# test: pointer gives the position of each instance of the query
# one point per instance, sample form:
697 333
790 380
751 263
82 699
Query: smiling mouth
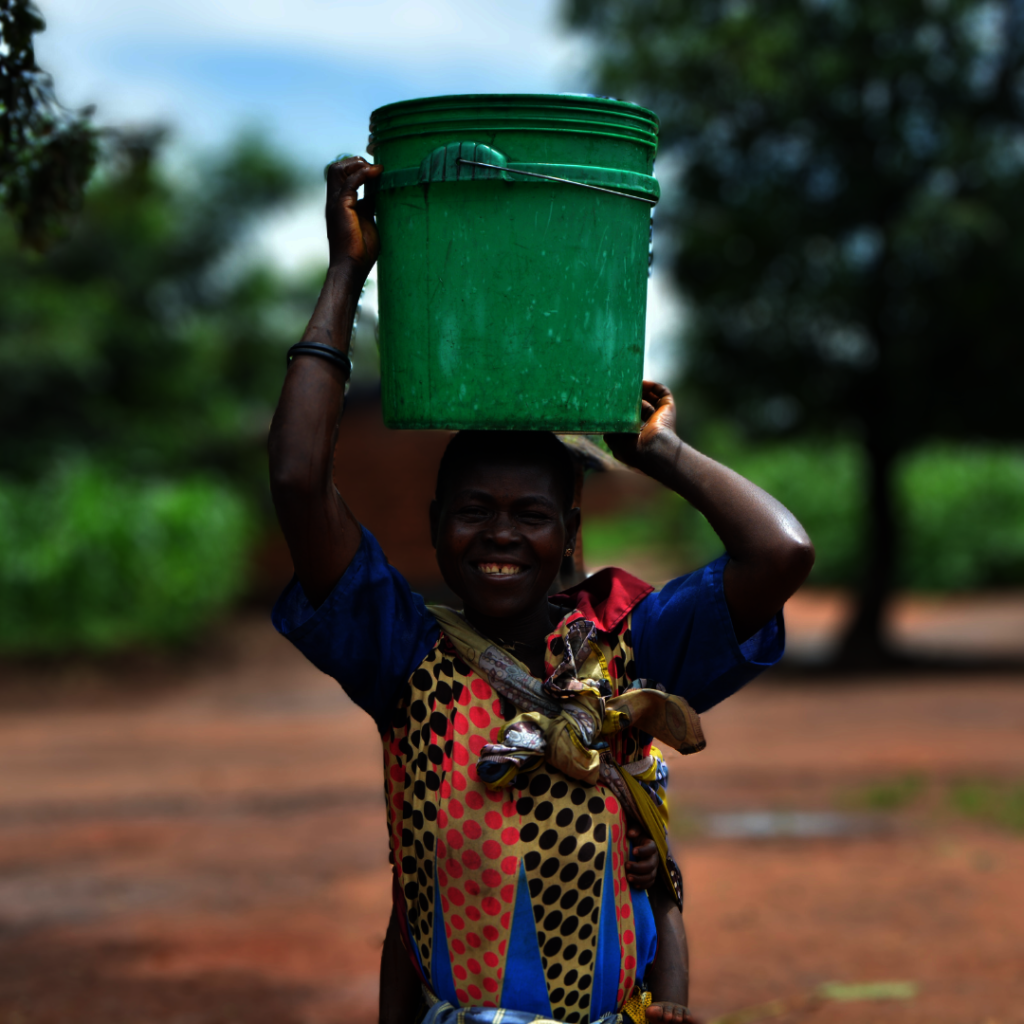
499 568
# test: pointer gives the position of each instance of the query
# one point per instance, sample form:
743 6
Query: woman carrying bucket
517 732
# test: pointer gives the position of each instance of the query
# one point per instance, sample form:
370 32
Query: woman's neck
522 636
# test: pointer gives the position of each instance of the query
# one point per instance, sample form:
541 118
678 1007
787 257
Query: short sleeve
683 638
370 633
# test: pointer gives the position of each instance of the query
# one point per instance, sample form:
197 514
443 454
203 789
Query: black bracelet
315 348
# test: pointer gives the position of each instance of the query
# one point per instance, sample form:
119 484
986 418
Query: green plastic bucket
508 300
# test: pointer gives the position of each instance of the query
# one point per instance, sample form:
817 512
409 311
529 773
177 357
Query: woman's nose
503 528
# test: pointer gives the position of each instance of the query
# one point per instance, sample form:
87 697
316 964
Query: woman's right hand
351 231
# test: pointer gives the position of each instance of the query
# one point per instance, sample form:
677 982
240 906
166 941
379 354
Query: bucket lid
598 115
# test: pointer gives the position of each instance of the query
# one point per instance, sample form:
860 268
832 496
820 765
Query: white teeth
499 569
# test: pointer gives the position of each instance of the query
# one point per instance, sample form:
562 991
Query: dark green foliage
46 152
851 227
140 359
820 481
144 339
91 561
961 510
851 231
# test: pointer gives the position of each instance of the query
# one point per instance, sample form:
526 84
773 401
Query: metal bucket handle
474 161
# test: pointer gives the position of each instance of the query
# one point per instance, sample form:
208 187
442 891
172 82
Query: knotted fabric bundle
562 720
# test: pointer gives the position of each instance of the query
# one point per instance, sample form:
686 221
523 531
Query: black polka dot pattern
568 825
560 832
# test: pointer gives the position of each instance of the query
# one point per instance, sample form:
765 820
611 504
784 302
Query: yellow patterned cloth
635 1005
652 773
483 873
566 720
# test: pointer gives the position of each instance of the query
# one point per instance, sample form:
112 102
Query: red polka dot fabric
455 842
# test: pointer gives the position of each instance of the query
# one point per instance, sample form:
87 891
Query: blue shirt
372 632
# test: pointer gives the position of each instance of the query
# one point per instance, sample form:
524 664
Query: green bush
667 524
961 510
963 515
151 337
820 483
94 561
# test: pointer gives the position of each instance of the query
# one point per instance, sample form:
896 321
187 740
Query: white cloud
525 33
306 72
294 238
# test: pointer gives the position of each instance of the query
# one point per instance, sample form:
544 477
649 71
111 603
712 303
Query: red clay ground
203 843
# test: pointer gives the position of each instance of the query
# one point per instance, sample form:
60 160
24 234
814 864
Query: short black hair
507 447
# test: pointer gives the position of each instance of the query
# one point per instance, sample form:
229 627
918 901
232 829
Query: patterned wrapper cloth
564 720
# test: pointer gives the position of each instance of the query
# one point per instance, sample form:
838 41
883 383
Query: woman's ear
435 519
571 571
572 527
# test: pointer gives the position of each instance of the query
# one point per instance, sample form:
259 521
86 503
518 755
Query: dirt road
203 843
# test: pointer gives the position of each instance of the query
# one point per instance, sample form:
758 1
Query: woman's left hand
658 419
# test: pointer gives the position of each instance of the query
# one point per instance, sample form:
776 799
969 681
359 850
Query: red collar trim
607 597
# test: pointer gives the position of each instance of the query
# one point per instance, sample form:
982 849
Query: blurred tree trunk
865 645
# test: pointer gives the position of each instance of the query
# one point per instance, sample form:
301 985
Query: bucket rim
572 100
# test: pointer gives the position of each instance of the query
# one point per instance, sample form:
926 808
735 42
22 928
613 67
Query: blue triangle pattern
525 987
609 957
441 980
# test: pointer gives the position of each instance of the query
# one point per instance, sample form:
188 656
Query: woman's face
500 534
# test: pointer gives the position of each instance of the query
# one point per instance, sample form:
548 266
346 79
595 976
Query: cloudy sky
307 73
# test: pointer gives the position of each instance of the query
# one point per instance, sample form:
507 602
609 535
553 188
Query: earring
568 552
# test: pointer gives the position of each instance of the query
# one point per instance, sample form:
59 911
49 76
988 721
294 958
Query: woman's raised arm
770 553
321 532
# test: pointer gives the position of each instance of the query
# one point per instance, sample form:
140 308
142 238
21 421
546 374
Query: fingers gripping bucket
512 276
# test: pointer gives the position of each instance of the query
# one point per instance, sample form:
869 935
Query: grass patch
892 795
994 803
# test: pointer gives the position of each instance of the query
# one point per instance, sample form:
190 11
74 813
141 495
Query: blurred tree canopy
141 352
140 358
851 228
46 152
145 339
